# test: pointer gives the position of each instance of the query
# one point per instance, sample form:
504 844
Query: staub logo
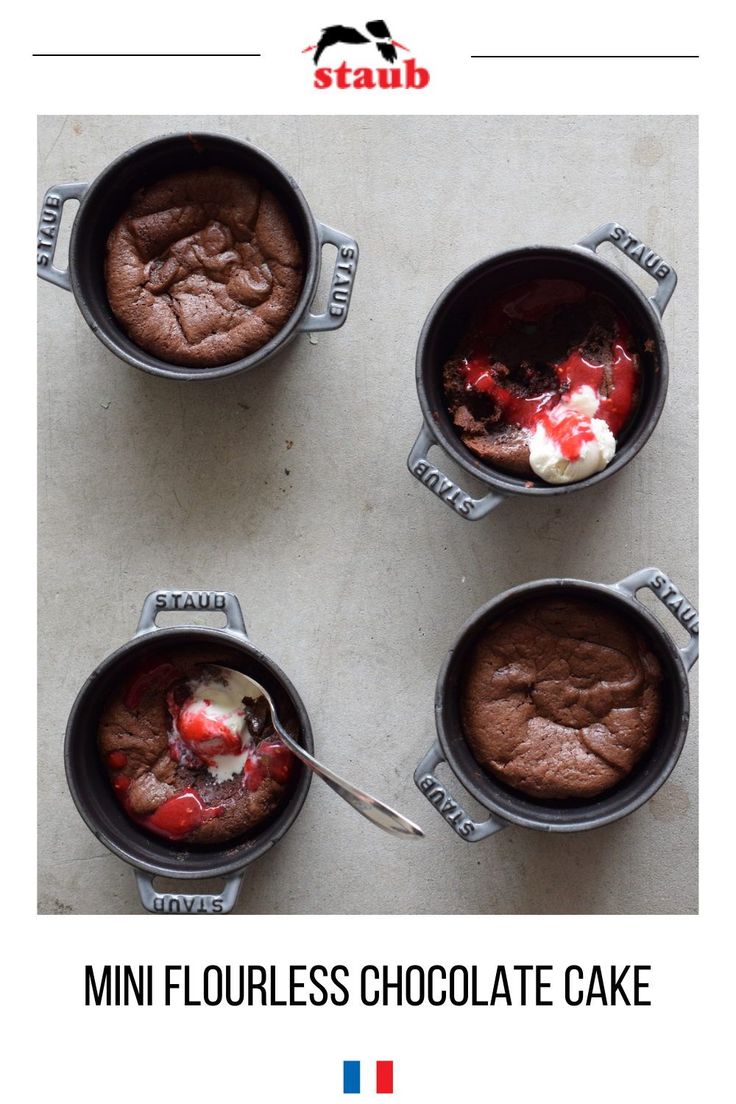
453 813
377 39
48 229
638 251
191 600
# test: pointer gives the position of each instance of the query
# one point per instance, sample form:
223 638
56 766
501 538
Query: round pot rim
186 372
495 478
594 820
273 831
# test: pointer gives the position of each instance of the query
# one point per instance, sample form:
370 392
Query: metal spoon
369 807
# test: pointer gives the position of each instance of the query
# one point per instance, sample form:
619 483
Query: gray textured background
352 576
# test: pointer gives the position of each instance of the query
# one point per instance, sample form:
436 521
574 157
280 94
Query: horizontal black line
591 57
145 55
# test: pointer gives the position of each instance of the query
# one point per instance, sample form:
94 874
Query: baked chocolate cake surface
169 792
562 697
203 267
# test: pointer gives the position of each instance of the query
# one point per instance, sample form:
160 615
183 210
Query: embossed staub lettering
443 487
646 258
180 902
48 228
342 281
191 600
676 602
451 811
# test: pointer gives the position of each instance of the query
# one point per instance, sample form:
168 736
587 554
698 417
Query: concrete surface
289 487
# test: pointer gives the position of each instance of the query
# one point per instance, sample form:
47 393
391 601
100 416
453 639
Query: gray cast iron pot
508 806
90 787
449 318
101 202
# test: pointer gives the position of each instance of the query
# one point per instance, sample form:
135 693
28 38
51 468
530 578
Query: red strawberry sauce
615 386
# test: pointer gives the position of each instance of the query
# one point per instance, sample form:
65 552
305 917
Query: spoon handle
369 807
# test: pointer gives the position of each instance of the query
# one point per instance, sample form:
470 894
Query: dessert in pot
190 758
562 697
544 381
203 267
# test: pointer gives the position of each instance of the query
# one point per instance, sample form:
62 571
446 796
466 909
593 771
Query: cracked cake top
203 267
561 698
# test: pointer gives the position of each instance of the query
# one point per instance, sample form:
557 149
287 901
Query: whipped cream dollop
210 723
569 430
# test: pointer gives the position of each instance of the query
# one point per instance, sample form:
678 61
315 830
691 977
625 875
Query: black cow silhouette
351 36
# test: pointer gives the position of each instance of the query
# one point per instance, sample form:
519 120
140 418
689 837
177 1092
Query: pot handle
452 495
670 596
341 287
645 257
188 903
185 601
438 795
49 222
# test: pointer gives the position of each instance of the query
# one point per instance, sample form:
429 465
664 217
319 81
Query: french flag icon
351 1078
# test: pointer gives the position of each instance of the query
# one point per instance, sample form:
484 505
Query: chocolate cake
203 267
562 698
524 362
161 784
